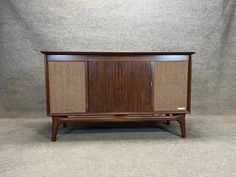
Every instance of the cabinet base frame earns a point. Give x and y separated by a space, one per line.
57 120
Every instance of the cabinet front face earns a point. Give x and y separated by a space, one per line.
120 86
170 85
66 87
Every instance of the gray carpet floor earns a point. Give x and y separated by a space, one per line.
130 150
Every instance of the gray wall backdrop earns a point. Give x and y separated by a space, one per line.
205 26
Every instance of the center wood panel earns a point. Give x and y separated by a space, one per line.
120 86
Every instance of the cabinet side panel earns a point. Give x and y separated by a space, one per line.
170 86
67 87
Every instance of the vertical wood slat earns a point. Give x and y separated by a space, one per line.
67 87
120 86
170 85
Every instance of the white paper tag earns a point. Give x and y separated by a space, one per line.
181 108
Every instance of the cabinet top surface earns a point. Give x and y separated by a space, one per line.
114 53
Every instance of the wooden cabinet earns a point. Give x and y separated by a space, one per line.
117 86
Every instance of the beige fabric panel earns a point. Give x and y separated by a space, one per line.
67 87
170 86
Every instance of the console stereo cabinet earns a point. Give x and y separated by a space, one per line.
117 87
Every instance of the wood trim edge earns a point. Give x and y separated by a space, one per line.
189 84
47 85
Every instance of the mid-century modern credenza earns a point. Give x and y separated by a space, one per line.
117 87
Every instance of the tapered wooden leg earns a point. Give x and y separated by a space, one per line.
181 121
64 123
167 122
55 124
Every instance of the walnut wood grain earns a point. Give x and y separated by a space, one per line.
56 121
114 53
84 86
120 86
